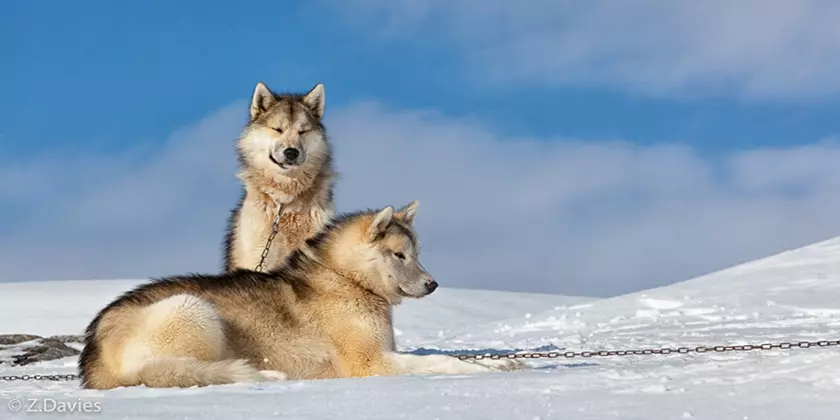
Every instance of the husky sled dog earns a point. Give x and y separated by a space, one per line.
285 158
326 313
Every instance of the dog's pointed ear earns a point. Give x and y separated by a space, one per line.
314 99
261 100
406 214
380 223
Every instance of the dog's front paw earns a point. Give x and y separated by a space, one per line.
273 375
501 364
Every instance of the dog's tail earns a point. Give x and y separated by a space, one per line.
186 372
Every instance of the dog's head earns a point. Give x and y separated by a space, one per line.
285 137
382 250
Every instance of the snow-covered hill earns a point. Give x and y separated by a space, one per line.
788 297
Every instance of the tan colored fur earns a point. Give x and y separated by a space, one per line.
326 314
280 121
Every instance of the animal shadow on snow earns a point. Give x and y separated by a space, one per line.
423 351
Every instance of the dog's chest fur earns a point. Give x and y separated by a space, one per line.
252 227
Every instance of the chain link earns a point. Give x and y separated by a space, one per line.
645 352
68 377
558 354
275 227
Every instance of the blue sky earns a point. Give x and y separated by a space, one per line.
113 84
117 73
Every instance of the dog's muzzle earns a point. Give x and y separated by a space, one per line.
291 156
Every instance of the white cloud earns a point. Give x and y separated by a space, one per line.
146 212
596 217
565 216
754 49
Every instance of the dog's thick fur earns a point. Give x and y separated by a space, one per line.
325 314
303 184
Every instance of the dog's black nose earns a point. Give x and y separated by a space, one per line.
291 153
431 285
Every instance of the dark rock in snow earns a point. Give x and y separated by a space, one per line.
10 339
20 349
69 338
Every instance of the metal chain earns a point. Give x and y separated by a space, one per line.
645 352
557 354
275 227
68 377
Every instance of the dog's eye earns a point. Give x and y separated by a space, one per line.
399 255
279 130
302 132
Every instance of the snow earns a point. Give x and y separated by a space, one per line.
792 296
